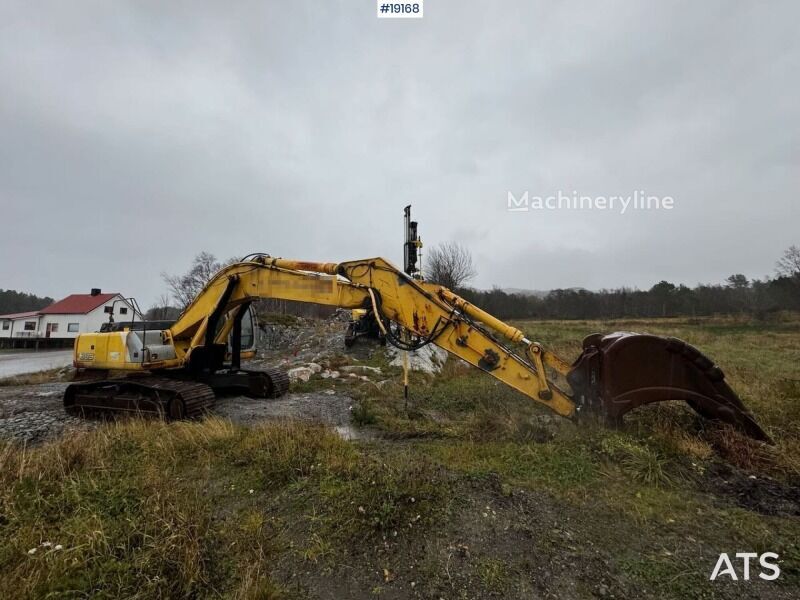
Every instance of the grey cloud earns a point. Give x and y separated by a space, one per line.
137 134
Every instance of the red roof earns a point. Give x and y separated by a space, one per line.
79 304
22 315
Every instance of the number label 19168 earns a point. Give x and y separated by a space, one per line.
399 10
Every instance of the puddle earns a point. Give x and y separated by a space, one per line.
351 433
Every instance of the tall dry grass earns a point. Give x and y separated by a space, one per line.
146 509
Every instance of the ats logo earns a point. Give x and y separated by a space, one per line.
769 569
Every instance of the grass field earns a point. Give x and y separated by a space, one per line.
470 491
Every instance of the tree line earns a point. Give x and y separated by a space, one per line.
15 302
451 265
664 299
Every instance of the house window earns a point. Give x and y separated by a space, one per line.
5 325
30 325
123 311
73 327
53 327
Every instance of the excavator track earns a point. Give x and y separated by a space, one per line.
263 383
279 381
173 395
148 395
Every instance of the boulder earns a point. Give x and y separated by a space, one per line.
299 374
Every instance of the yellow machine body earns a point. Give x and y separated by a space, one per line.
617 372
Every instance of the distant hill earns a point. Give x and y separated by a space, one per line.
537 293
524 292
12 301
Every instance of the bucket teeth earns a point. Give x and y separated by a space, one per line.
621 371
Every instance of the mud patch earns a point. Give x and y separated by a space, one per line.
763 495
495 542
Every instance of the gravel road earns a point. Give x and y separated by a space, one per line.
34 413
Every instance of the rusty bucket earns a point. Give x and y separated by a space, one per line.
622 371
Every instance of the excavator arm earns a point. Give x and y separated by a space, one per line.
428 312
614 374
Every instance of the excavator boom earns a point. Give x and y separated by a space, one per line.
613 375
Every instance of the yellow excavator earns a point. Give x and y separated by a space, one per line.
176 370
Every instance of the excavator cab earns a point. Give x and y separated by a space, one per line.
247 339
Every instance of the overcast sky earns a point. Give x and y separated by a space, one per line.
135 134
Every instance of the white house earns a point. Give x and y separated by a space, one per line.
20 325
60 322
